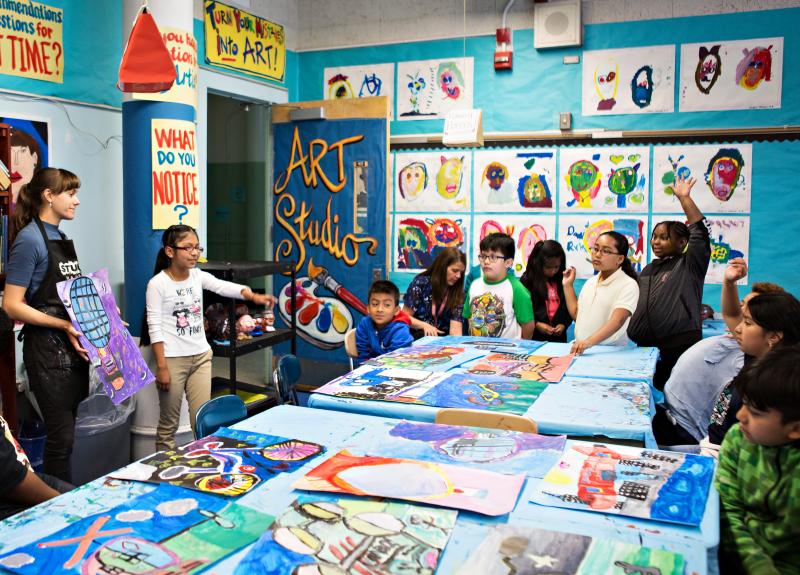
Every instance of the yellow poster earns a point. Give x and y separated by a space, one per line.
240 41
176 194
182 48
30 41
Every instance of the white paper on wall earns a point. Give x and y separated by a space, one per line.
428 89
525 229
344 82
418 238
522 179
577 234
432 181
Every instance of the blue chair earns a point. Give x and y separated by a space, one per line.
218 412
286 376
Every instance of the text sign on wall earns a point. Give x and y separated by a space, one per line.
30 41
182 49
241 41
176 198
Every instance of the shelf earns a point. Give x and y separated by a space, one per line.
241 270
257 398
247 345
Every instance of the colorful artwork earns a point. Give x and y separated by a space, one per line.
723 173
441 485
660 485
432 357
168 530
498 450
93 311
490 344
517 550
526 231
522 366
628 81
731 75
428 89
578 233
507 180
322 320
608 361
345 82
376 383
502 393
223 465
604 179
349 536
30 150
432 181
420 238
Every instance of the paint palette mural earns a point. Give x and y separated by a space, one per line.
351 537
732 75
346 82
432 181
628 81
517 549
376 383
322 320
491 393
604 179
659 485
511 180
526 231
578 233
418 238
522 366
723 174
428 89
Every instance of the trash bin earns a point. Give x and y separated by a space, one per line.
32 435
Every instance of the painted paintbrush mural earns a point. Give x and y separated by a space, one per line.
577 235
526 231
428 89
92 310
345 82
628 81
723 174
731 75
659 485
434 483
501 393
604 179
351 536
514 180
518 549
376 383
521 366
168 530
432 181
418 238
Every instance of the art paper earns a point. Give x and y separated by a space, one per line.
487 344
432 181
92 309
428 357
34 46
437 484
351 536
498 392
175 177
723 173
517 549
514 180
30 150
498 450
526 230
577 235
731 75
609 361
660 485
428 89
521 366
376 383
628 81
604 179
418 238
367 80
167 530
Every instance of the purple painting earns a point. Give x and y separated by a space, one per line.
116 357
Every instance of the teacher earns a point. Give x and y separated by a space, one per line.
434 294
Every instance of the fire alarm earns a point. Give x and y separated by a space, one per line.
504 51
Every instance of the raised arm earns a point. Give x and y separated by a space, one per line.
731 304
569 292
681 189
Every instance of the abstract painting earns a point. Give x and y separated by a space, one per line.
628 81
376 383
345 82
731 75
525 229
517 550
498 450
438 484
660 485
94 313
428 357
577 235
723 174
501 393
418 238
521 366
609 179
609 361
428 89
514 180
168 530
432 181
488 344
351 537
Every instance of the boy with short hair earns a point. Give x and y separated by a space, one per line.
497 304
757 477
386 328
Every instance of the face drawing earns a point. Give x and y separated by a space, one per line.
412 179
495 174
724 173
642 87
709 67
448 180
445 232
534 192
450 80
622 182
583 179
339 88
606 80
755 67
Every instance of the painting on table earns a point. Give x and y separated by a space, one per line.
526 230
418 238
604 179
432 357
536 367
487 344
609 361
376 383
577 235
660 485
428 89
439 484
491 393
513 180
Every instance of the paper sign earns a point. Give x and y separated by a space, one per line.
176 199
182 47
30 42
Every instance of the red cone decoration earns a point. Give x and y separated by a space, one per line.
146 64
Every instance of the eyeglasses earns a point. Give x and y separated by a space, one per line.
490 258
190 249
604 251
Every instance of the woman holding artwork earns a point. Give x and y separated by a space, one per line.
434 299
671 286
544 277
607 299
42 256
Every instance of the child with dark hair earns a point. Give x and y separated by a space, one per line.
757 477
543 278
497 304
386 328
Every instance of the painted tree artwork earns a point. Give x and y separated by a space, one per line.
514 180
418 238
432 181
526 230
577 235
93 311
364 81
428 89
498 392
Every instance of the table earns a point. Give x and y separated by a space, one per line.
338 430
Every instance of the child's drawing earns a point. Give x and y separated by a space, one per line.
514 180
345 82
428 89
376 383
604 179
488 345
419 238
578 233
609 361
432 357
432 181
502 393
522 366
525 229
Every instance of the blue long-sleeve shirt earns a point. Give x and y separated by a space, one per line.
372 342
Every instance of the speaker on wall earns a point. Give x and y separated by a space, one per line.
557 24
